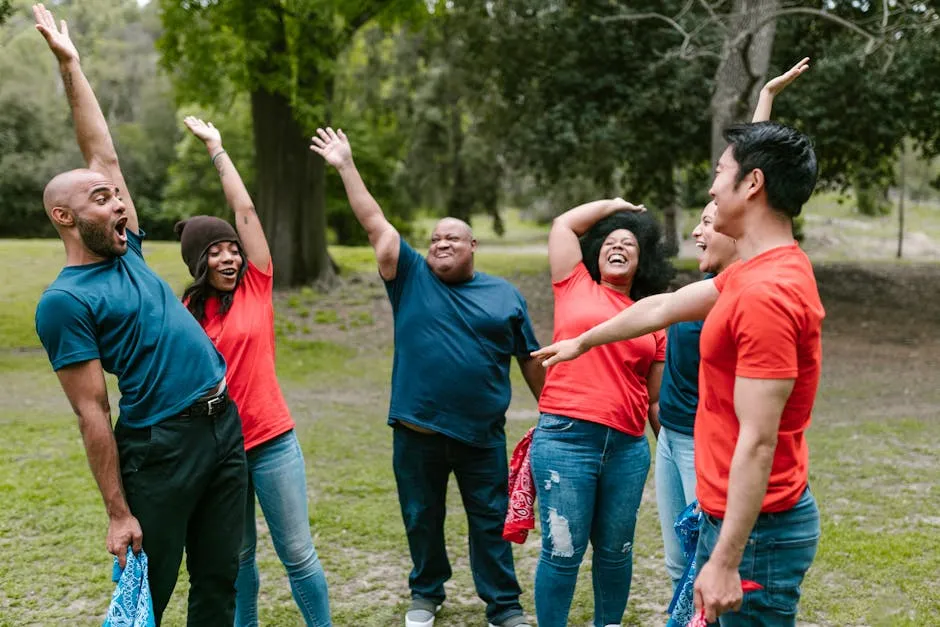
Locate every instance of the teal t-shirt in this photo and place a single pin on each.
(454, 345)
(121, 312)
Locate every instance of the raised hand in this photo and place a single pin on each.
(332, 146)
(565, 350)
(776, 85)
(58, 39)
(622, 205)
(203, 130)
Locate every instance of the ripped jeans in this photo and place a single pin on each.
(589, 480)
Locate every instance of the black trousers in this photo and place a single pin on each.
(186, 482)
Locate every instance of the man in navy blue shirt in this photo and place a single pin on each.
(456, 331)
(172, 472)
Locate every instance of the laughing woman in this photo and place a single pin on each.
(589, 455)
(232, 298)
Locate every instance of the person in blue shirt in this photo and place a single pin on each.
(172, 471)
(456, 332)
(678, 401)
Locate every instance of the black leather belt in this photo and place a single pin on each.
(209, 406)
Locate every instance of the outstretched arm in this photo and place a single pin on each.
(692, 302)
(773, 87)
(564, 249)
(335, 149)
(91, 129)
(246, 220)
(86, 390)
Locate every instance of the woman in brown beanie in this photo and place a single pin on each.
(231, 297)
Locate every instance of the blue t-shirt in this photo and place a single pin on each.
(453, 348)
(678, 394)
(121, 312)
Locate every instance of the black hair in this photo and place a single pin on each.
(200, 290)
(783, 154)
(654, 270)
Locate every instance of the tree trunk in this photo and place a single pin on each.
(743, 67)
(903, 185)
(290, 193)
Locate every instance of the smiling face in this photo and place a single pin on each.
(717, 251)
(223, 260)
(730, 195)
(450, 256)
(618, 258)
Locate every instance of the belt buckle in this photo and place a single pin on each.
(212, 403)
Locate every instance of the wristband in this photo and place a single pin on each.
(217, 155)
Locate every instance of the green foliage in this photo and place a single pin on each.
(116, 41)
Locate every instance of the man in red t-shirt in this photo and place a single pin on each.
(760, 363)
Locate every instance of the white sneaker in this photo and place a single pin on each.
(421, 616)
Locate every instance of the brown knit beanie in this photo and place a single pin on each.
(198, 233)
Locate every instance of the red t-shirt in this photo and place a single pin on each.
(607, 384)
(245, 337)
(766, 324)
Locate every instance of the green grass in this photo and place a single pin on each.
(873, 470)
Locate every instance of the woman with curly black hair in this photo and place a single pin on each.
(589, 454)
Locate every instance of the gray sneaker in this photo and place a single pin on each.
(513, 621)
(421, 613)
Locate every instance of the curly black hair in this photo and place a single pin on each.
(654, 270)
(200, 290)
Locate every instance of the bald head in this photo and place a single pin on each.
(60, 190)
(452, 225)
(451, 254)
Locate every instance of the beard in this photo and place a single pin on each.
(98, 238)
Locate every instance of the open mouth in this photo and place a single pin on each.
(701, 246)
(229, 273)
(120, 228)
(617, 259)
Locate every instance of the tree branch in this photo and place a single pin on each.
(869, 48)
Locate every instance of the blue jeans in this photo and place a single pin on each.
(779, 551)
(277, 476)
(675, 490)
(589, 480)
(422, 464)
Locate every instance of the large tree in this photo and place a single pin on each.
(283, 54)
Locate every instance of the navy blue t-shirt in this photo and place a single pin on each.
(121, 312)
(453, 349)
(678, 394)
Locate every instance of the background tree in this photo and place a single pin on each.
(283, 54)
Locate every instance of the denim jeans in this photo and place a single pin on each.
(589, 480)
(185, 481)
(675, 490)
(278, 478)
(422, 464)
(779, 551)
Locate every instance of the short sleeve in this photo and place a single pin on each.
(524, 340)
(66, 329)
(766, 328)
(408, 258)
(721, 279)
(660, 337)
(135, 242)
(259, 283)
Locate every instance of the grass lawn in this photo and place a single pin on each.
(873, 449)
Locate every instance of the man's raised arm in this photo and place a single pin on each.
(91, 129)
(692, 302)
(335, 149)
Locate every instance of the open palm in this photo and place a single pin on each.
(332, 146)
(776, 85)
(58, 39)
(203, 130)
